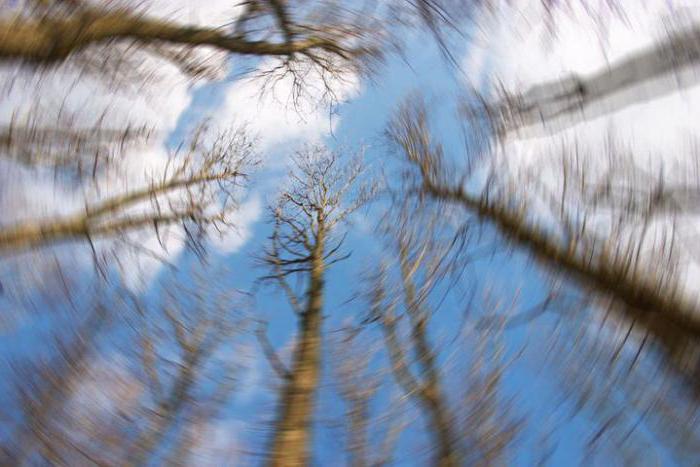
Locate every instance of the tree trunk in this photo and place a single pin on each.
(290, 445)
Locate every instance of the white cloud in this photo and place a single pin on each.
(212, 13)
(274, 117)
(216, 443)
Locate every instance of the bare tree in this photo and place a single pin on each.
(43, 390)
(302, 37)
(166, 374)
(626, 347)
(200, 191)
(642, 291)
(428, 390)
(477, 428)
(323, 192)
(202, 323)
(639, 411)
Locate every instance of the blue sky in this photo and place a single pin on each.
(537, 391)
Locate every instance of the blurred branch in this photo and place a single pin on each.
(197, 334)
(32, 145)
(46, 390)
(357, 386)
(50, 39)
(186, 194)
(665, 312)
(428, 390)
(574, 97)
(270, 354)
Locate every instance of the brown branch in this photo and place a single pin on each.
(54, 39)
(662, 311)
(668, 312)
(35, 234)
(270, 353)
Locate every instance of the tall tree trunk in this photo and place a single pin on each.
(290, 444)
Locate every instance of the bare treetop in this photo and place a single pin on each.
(323, 191)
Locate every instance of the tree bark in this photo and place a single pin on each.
(49, 40)
(290, 444)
